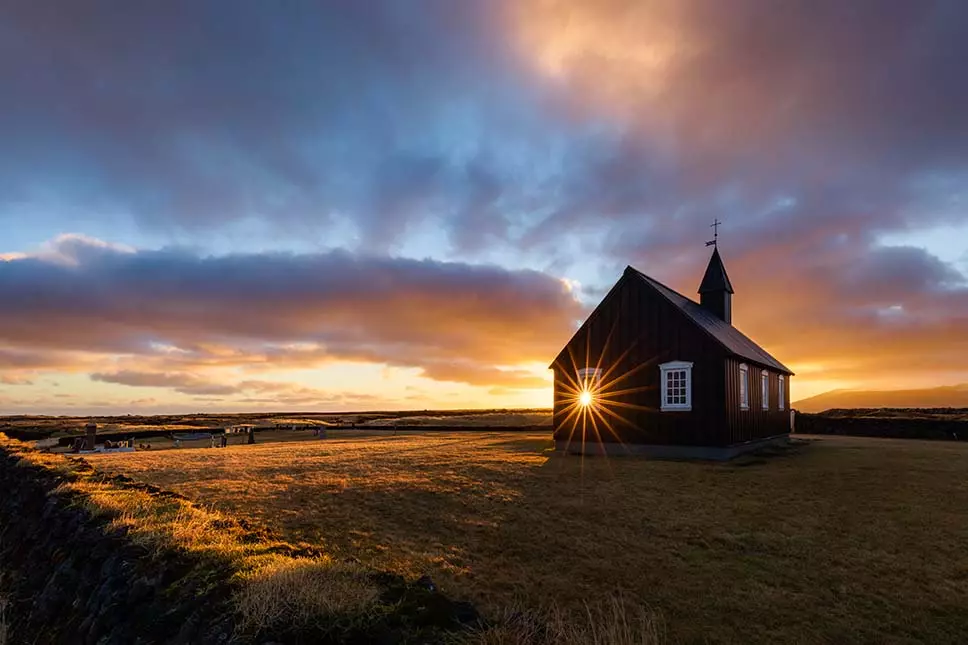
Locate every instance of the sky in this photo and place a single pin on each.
(242, 205)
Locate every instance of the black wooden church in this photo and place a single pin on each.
(654, 372)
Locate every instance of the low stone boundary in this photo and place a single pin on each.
(333, 431)
(895, 428)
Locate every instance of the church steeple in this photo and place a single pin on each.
(715, 290)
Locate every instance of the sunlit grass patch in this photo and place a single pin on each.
(500, 419)
(152, 520)
(304, 593)
(846, 540)
(275, 590)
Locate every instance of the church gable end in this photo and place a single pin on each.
(630, 336)
(652, 368)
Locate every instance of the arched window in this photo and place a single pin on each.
(744, 387)
(589, 377)
(765, 389)
(676, 386)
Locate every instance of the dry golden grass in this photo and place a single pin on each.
(275, 590)
(4, 626)
(304, 593)
(503, 419)
(613, 621)
(851, 540)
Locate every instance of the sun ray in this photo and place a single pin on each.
(592, 405)
(630, 406)
(628, 373)
(617, 395)
(631, 390)
(608, 426)
(594, 402)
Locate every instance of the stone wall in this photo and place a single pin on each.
(897, 428)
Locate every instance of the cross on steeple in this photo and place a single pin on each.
(715, 226)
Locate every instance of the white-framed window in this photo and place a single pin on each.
(744, 387)
(676, 385)
(589, 377)
(765, 389)
(781, 395)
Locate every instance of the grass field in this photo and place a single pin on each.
(841, 540)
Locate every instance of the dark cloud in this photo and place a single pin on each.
(894, 274)
(870, 79)
(785, 118)
(190, 116)
(505, 123)
(13, 358)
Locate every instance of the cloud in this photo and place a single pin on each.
(14, 358)
(180, 311)
(210, 390)
(188, 118)
(245, 393)
(806, 119)
(474, 374)
(710, 78)
(14, 380)
(570, 136)
(809, 128)
(894, 314)
(179, 382)
(648, 117)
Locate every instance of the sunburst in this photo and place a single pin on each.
(596, 405)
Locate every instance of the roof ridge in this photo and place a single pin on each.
(663, 285)
(759, 355)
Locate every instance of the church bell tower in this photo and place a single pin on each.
(715, 290)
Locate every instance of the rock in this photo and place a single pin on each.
(426, 583)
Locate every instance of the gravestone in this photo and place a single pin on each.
(90, 436)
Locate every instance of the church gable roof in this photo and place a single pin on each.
(715, 278)
(732, 339)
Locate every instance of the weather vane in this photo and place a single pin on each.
(715, 227)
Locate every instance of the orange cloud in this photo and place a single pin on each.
(154, 319)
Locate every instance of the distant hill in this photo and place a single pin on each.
(948, 396)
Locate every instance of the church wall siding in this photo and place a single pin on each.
(633, 332)
(754, 423)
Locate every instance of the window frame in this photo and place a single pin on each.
(765, 389)
(595, 374)
(664, 370)
(744, 386)
(781, 393)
